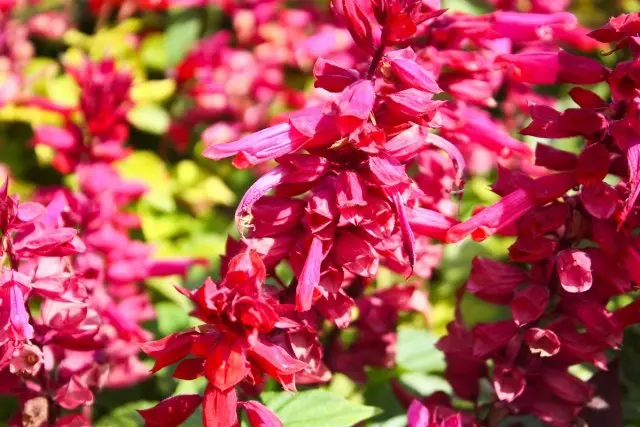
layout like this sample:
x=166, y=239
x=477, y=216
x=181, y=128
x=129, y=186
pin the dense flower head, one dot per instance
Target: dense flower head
x=246, y=334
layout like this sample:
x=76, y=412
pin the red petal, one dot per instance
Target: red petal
x=219, y=408
x=189, y=369
x=225, y=368
x=172, y=411
x=169, y=349
x=274, y=360
x=261, y=416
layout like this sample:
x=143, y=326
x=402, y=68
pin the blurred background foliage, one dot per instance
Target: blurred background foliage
x=189, y=208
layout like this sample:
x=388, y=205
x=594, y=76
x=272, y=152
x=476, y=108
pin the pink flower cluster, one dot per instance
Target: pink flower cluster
x=71, y=285
x=237, y=79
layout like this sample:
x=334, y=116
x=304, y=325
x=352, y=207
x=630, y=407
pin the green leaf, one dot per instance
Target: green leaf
x=378, y=392
x=146, y=166
x=397, y=421
x=316, y=408
x=150, y=118
x=184, y=29
x=63, y=90
x=153, y=52
x=468, y=6
x=153, y=91
x=417, y=352
x=171, y=318
x=425, y=384
x=125, y=416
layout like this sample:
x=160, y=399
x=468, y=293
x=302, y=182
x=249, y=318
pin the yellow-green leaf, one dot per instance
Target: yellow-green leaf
x=153, y=91
x=150, y=118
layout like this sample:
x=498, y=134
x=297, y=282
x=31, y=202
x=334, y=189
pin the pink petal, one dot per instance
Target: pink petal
x=260, y=416
x=309, y=276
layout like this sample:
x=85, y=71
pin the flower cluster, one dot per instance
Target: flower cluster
x=72, y=259
x=359, y=184
x=345, y=203
x=559, y=304
x=238, y=79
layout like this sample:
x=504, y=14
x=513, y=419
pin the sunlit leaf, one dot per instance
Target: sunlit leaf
x=316, y=408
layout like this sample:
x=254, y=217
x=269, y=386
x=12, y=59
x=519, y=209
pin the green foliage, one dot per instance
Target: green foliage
x=150, y=118
x=416, y=351
x=125, y=416
x=316, y=408
x=185, y=26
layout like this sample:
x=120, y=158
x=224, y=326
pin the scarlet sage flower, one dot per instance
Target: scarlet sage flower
x=237, y=316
